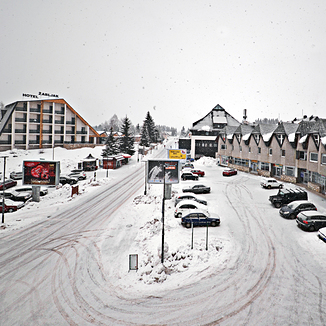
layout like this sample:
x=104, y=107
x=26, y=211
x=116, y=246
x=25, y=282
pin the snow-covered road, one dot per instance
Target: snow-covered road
x=72, y=268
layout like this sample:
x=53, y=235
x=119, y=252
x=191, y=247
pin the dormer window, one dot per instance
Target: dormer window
x=280, y=138
x=256, y=136
x=239, y=138
x=317, y=139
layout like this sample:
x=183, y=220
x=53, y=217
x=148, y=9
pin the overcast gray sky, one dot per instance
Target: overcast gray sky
x=176, y=59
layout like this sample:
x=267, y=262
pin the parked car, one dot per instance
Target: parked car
x=187, y=206
x=78, y=175
x=16, y=175
x=286, y=196
x=200, y=173
x=29, y=189
x=197, y=189
x=17, y=196
x=64, y=179
x=189, y=176
x=311, y=220
x=322, y=233
x=292, y=210
x=198, y=218
x=10, y=205
x=229, y=172
x=188, y=165
x=8, y=184
x=76, y=171
x=189, y=196
x=270, y=183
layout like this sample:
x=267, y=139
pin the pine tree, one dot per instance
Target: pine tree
x=127, y=140
x=149, y=134
x=144, y=139
x=111, y=146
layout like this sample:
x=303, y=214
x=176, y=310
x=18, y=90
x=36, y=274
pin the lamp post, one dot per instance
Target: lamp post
x=163, y=206
x=3, y=188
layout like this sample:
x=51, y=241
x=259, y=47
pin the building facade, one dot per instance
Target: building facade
x=204, y=132
x=44, y=124
x=291, y=151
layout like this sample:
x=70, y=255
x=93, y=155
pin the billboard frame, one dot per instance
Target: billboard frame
x=155, y=170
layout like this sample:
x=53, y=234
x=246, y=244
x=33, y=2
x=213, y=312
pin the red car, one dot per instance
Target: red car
x=8, y=184
x=11, y=206
x=229, y=172
x=198, y=172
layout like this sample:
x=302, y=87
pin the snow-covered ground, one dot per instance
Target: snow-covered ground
x=183, y=266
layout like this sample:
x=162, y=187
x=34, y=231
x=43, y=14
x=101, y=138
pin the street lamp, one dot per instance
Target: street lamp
x=3, y=188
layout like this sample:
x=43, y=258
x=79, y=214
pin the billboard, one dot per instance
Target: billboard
x=155, y=171
x=40, y=172
x=177, y=154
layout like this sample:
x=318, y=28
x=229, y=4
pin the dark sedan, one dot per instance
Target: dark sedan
x=198, y=189
x=16, y=196
x=311, y=220
x=292, y=210
x=64, y=179
x=199, y=219
x=229, y=172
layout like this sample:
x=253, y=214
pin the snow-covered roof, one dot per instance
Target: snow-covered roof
x=267, y=137
x=303, y=139
x=246, y=136
x=323, y=140
x=291, y=137
x=219, y=120
x=205, y=128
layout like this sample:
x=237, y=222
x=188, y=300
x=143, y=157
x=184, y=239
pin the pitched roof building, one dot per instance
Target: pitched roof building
x=37, y=123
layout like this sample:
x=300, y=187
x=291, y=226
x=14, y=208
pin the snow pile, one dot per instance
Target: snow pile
x=207, y=161
x=179, y=257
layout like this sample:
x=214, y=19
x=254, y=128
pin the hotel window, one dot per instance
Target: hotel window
x=283, y=152
x=270, y=151
x=240, y=148
x=313, y=157
x=223, y=146
x=249, y=149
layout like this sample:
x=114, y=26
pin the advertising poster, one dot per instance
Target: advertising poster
x=41, y=172
x=155, y=172
x=177, y=154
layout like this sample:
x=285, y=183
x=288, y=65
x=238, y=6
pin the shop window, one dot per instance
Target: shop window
x=289, y=170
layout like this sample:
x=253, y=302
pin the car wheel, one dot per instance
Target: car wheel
x=268, y=187
x=277, y=205
x=280, y=186
x=179, y=215
x=292, y=216
x=10, y=210
x=188, y=225
x=214, y=223
x=311, y=228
